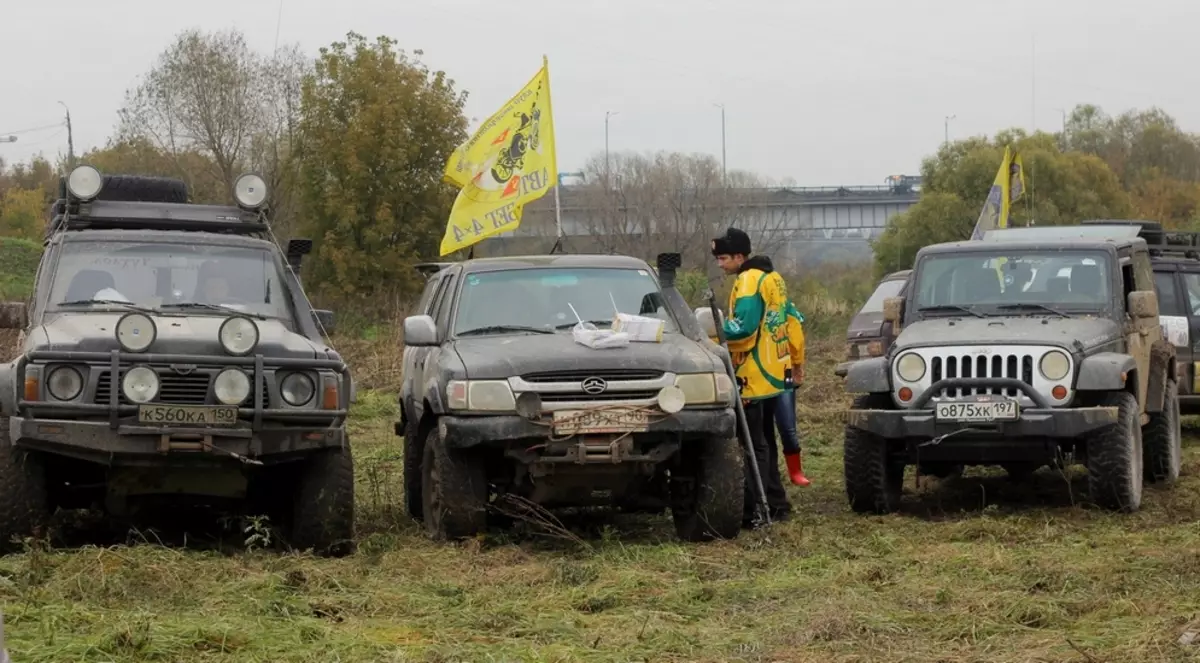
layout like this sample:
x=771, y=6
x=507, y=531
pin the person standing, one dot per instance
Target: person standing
x=785, y=406
x=756, y=331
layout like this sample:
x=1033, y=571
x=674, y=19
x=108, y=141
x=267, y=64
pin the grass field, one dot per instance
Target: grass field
x=977, y=569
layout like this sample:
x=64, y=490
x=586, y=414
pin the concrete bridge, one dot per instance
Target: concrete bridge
x=806, y=221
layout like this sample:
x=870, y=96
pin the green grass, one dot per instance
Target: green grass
x=18, y=264
x=976, y=569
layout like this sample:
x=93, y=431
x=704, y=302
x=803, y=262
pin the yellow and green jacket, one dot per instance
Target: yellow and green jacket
x=757, y=329
x=795, y=334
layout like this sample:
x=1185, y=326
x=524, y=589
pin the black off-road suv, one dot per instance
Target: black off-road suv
x=499, y=403
x=168, y=349
x=1032, y=346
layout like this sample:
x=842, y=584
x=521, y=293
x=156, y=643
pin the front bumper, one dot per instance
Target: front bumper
x=471, y=431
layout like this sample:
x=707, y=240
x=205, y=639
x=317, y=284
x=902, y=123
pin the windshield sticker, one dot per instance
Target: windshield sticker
x=472, y=280
x=642, y=272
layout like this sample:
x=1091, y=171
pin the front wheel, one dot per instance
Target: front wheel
x=711, y=508
x=23, y=501
x=412, y=471
x=454, y=490
x=1114, y=458
x=874, y=481
x=1161, y=439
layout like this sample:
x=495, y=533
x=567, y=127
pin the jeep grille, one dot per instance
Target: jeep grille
x=175, y=389
x=1019, y=366
x=610, y=375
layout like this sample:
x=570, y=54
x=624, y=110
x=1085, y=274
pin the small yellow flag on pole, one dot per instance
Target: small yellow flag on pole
x=1006, y=189
x=508, y=162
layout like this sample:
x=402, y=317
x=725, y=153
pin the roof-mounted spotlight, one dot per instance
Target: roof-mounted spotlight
x=250, y=191
x=84, y=183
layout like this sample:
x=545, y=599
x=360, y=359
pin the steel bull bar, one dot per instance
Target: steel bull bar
x=116, y=410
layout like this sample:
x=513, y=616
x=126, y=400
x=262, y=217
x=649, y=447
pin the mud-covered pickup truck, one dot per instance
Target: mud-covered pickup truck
x=499, y=401
x=168, y=350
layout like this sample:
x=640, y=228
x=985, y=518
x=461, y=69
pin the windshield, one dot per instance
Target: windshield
x=1070, y=281
x=542, y=298
x=886, y=289
x=159, y=274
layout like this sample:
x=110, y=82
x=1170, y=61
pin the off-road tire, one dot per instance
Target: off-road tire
x=712, y=509
x=412, y=471
x=323, y=511
x=874, y=482
x=454, y=490
x=1114, y=457
x=23, y=500
x=1161, y=440
x=143, y=188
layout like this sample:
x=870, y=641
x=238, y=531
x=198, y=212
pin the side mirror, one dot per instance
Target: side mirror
x=704, y=317
x=893, y=310
x=13, y=315
x=420, y=331
x=325, y=320
x=296, y=250
x=1143, y=304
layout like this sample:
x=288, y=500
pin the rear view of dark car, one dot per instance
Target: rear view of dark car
x=869, y=335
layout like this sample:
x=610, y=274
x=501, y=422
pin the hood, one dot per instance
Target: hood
x=499, y=357
x=757, y=262
x=191, y=334
x=1078, y=333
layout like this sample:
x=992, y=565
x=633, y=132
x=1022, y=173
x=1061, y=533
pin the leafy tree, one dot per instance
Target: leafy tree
x=376, y=130
x=23, y=213
x=1063, y=188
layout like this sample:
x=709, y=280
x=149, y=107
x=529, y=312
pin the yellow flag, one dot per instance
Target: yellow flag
x=510, y=161
x=1007, y=188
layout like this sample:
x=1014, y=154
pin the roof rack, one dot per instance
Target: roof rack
x=1161, y=241
x=135, y=203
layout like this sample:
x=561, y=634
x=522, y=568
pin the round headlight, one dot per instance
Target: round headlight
x=84, y=182
x=238, y=335
x=64, y=383
x=297, y=389
x=250, y=191
x=140, y=384
x=1055, y=365
x=232, y=386
x=135, y=332
x=911, y=367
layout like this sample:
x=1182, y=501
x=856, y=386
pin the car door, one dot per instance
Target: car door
x=414, y=357
x=1177, y=325
x=425, y=362
x=1189, y=299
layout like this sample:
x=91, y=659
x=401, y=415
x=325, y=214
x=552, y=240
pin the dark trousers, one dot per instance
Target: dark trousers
x=785, y=421
x=760, y=418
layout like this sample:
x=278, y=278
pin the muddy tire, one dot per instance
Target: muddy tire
x=454, y=490
x=874, y=482
x=711, y=508
x=323, y=515
x=1161, y=440
x=1114, y=458
x=23, y=505
x=412, y=471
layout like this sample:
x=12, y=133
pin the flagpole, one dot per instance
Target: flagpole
x=558, y=231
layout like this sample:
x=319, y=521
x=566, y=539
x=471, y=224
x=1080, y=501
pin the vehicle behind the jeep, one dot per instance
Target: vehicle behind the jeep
x=868, y=334
x=168, y=350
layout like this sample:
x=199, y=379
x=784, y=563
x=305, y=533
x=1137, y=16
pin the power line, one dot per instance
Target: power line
x=31, y=129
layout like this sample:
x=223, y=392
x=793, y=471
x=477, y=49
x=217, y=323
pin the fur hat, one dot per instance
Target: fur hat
x=734, y=241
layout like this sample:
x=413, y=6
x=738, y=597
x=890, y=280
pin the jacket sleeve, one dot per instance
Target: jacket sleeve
x=747, y=313
x=795, y=331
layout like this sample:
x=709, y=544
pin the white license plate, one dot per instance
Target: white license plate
x=586, y=422
x=188, y=415
x=1002, y=410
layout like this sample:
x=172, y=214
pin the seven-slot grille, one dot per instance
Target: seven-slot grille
x=175, y=389
x=1008, y=365
x=613, y=376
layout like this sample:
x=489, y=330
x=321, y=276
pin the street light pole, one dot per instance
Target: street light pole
x=70, y=138
x=724, y=171
x=607, y=165
x=946, y=140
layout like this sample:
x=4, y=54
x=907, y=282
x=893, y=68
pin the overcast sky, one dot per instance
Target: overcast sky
x=831, y=92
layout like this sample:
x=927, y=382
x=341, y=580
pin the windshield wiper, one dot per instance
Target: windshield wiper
x=951, y=307
x=216, y=307
x=109, y=302
x=504, y=328
x=598, y=323
x=1032, y=305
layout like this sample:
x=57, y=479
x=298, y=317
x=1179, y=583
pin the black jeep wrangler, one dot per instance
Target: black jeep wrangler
x=500, y=403
x=169, y=349
x=1031, y=346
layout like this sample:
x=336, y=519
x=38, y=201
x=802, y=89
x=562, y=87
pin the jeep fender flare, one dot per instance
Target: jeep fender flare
x=1162, y=366
x=868, y=376
x=1104, y=371
x=8, y=387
